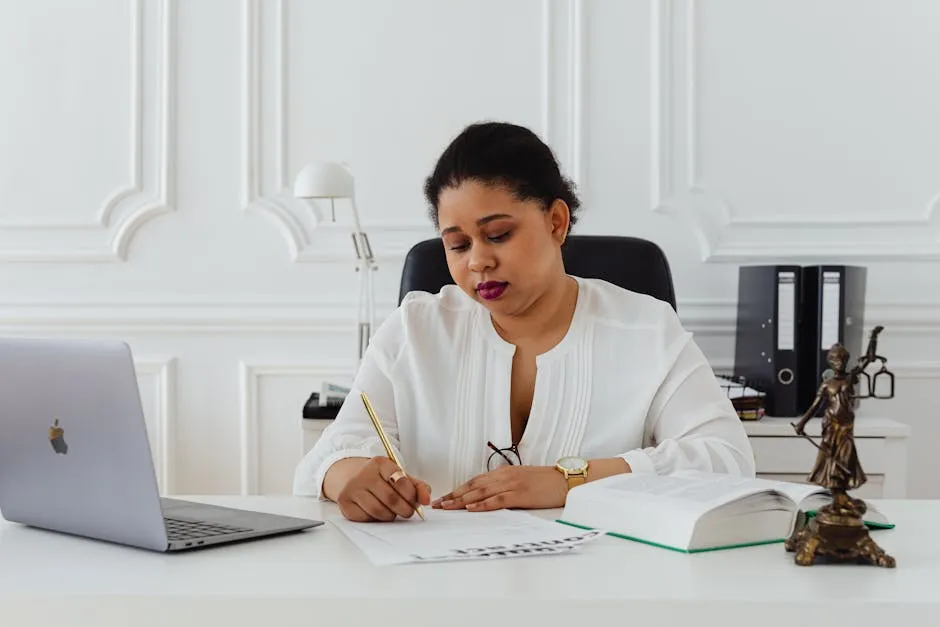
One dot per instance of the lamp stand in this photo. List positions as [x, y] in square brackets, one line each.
[365, 266]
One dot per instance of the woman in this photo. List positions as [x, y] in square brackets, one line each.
[520, 381]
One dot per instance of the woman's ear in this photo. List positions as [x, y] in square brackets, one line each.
[560, 218]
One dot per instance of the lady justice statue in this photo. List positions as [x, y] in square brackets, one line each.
[838, 532]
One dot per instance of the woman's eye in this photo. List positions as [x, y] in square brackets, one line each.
[462, 246]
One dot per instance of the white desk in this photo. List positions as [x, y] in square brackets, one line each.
[319, 578]
[781, 454]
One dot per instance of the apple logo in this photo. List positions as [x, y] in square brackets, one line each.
[57, 438]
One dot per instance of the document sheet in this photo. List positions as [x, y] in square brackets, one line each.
[447, 535]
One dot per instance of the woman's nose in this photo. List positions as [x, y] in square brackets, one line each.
[480, 260]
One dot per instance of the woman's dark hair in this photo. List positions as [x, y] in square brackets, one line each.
[505, 155]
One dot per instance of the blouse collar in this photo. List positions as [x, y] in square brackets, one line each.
[570, 338]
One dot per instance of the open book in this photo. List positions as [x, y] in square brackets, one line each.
[692, 511]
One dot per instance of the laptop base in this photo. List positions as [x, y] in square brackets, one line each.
[192, 525]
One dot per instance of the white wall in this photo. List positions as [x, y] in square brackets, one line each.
[148, 147]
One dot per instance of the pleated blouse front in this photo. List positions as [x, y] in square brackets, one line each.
[626, 380]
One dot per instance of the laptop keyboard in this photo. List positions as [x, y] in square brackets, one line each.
[177, 529]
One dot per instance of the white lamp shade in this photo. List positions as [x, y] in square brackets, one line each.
[323, 179]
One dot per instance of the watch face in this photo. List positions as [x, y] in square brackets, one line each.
[572, 464]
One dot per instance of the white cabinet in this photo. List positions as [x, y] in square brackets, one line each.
[882, 449]
[312, 428]
[781, 454]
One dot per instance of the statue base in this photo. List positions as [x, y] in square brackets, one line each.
[837, 534]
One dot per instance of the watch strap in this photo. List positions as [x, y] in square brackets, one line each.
[574, 478]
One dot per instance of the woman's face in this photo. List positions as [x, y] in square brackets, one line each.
[502, 251]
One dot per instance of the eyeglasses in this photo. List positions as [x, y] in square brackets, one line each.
[503, 457]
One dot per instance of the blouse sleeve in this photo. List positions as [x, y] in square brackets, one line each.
[691, 423]
[351, 434]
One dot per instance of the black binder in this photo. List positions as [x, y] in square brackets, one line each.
[833, 311]
[766, 343]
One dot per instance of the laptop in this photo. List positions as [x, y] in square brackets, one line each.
[75, 456]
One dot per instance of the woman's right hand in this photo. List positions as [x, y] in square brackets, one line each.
[369, 495]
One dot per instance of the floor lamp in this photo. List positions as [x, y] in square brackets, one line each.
[329, 180]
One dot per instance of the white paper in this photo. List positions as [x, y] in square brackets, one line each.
[830, 310]
[736, 389]
[786, 313]
[447, 535]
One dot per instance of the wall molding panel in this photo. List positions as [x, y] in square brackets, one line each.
[163, 426]
[903, 370]
[250, 374]
[564, 71]
[723, 234]
[267, 183]
[265, 178]
[106, 236]
[708, 316]
[718, 317]
[332, 243]
[916, 370]
[184, 317]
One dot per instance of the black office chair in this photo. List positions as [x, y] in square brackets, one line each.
[630, 262]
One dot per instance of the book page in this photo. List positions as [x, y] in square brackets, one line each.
[459, 534]
[797, 492]
[700, 491]
[810, 497]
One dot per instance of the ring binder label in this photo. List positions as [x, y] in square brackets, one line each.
[831, 314]
[786, 311]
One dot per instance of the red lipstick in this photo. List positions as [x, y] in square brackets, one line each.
[490, 290]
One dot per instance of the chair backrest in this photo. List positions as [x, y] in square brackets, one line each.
[632, 263]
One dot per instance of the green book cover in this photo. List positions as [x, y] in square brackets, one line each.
[675, 548]
[870, 525]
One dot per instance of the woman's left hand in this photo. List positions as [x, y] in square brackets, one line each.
[521, 487]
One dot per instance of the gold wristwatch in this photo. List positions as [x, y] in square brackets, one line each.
[574, 469]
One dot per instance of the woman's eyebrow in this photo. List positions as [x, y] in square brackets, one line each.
[480, 222]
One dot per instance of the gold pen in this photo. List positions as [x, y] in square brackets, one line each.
[388, 447]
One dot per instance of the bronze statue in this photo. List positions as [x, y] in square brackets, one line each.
[838, 532]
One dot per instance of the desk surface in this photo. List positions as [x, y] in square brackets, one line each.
[319, 578]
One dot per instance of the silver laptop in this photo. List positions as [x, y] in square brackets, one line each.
[75, 455]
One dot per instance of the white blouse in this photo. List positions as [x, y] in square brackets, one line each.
[626, 380]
